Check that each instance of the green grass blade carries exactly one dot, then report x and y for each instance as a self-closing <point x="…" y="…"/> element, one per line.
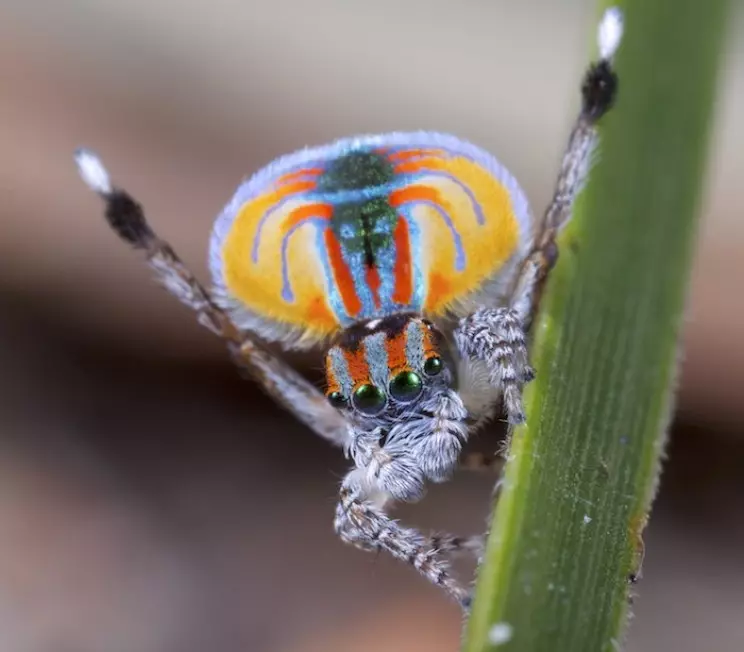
<point x="581" y="474"/>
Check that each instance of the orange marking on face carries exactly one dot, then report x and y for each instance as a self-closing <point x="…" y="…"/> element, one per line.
<point x="402" y="271"/>
<point x="293" y="176"/>
<point x="358" y="367"/>
<point x="430" y="347"/>
<point x="396" y="350"/>
<point x="342" y="275"/>
<point x="332" y="385"/>
<point x="372" y="276"/>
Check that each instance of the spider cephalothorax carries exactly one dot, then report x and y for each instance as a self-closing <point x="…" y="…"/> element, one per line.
<point x="367" y="243"/>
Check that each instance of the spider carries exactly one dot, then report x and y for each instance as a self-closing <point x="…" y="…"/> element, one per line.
<point x="414" y="259"/>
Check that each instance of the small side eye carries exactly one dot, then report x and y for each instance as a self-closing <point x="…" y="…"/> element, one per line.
<point x="433" y="366"/>
<point x="406" y="386"/>
<point x="337" y="399"/>
<point x="369" y="399"/>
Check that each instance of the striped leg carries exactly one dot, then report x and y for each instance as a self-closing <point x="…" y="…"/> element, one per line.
<point x="453" y="545"/>
<point x="598" y="93"/>
<point x="288" y="388"/>
<point x="497" y="336"/>
<point x="364" y="525"/>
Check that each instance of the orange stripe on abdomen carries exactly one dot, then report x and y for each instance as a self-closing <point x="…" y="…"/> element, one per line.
<point x="372" y="277"/>
<point x="411" y="153"/>
<point x="416" y="193"/>
<point x="420" y="164"/>
<point x="301" y="213"/>
<point x="402" y="271"/>
<point x="293" y="188"/>
<point x="342" y="275"/>
<point x="298" y="175"/>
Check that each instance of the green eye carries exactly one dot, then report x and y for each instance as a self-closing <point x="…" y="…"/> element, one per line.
<point x="369" y="399"/>
<point x="337" y="399"/>
<point x="406" y="386"/>
<point x="433" y="366"/>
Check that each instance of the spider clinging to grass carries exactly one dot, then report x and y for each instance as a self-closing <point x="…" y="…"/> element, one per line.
<point x="415" y="260"/>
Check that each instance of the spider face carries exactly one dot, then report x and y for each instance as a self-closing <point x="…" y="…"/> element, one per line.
<point x="384" y="368"/>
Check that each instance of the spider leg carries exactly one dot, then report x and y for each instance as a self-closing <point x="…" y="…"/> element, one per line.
<point x="454" y="545"/>
<point x="288" y="388"/>
<point x="363" y="524"/>
<point x="495" y="337"/>
<point x="598" y="93"/>
<point x="438" y="436"/>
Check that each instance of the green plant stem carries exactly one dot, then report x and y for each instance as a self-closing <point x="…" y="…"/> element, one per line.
<point x="566" y="534"/>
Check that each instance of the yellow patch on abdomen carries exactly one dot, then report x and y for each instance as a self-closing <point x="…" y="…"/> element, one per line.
<point x="298" y="295"/>
<point x="484" y="247"/>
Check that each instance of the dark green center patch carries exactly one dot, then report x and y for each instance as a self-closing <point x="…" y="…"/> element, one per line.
<point x="355" y="171"/>
<point x="364" y="226"/>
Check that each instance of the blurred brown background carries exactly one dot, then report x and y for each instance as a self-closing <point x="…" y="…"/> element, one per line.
<point x="150" y="500"/>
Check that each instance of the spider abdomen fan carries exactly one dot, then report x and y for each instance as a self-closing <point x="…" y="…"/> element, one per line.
<point x="363" y="228"/>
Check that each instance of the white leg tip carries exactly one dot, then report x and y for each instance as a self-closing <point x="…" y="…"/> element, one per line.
<point x="610" y="32"/>
<point x="92" y="171"/>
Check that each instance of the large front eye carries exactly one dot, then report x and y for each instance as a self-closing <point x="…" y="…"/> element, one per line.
<point x="369" y="399"/>
<point x="406" y="386"/>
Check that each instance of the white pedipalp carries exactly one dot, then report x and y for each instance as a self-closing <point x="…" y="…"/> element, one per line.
<point x="478" y="394"/>
<point x="93" y="172"/>
<point x="610" y="32"/>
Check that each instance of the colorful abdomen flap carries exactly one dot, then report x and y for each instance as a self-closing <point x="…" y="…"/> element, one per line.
<point x="362" y="228"/>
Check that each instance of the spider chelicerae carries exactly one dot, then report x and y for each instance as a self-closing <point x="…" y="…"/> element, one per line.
<point x="414" y="259"/>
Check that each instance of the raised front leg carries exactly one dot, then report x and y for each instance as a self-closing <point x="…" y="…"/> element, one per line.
<point x="496" y="336"/>
<point x="598" y="93"/>
<point x="288" y="388"/>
